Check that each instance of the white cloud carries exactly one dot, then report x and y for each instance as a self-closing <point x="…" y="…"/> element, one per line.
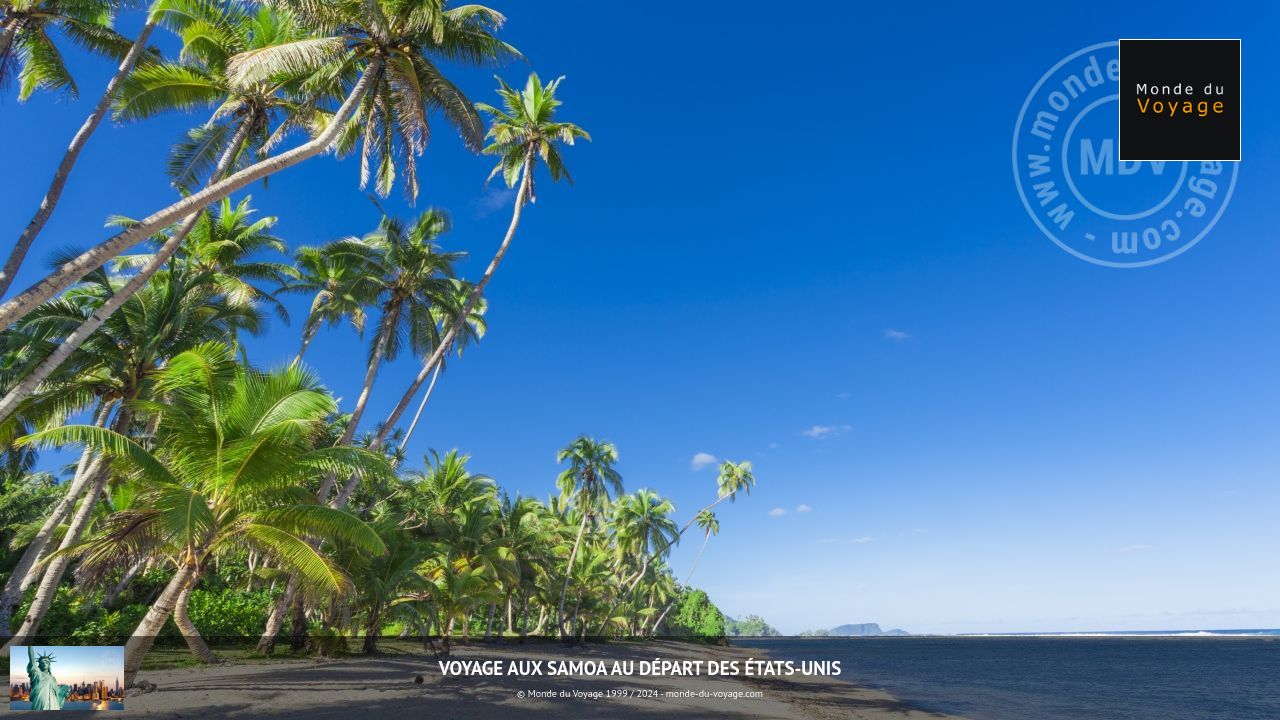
<point x="701" y="460"/>
<point x="777" y="512"/>
<point x="862" y="540"/>
<point x="803" y="508"/>
<point x="896" y="335"/>
<point x="493" y="199"/>
<point x="819" y="432"/>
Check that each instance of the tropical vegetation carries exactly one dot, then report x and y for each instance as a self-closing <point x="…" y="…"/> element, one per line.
<point x="210" y="495"/>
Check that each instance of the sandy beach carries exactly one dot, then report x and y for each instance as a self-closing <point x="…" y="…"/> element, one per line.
<point x="386" y="687"/>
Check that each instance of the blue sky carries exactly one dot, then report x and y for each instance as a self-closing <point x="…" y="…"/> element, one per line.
<point x="796" y="240"/>
<point x="72" y="665"/>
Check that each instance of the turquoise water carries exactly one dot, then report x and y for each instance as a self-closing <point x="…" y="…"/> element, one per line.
<point x="1061" y="677"/>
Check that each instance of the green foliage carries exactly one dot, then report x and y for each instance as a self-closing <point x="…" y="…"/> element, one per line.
<point x="23" y="502"/>
<point x="230" y="613"/>
<point x="697" y="616"/>
<point x="80" y="619"/>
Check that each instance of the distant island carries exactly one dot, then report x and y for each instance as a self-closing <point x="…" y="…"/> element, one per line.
<point x="856" y="630"/>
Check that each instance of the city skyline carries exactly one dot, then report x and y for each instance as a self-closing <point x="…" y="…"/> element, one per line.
<point x="73" y="665"/>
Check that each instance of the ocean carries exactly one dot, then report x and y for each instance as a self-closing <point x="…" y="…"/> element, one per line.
<point x="1201" y="676"/>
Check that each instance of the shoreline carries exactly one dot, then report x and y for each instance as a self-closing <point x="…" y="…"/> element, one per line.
<point x="407" y="685"/>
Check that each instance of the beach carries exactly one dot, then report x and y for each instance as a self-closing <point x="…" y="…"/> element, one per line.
<point x="386" y="687"/>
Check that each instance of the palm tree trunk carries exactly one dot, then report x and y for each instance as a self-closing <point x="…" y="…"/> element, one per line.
<point x="435" y="374"/>
<point x="253" y="565"/>
<point x="371" y="633"/>
<point x="389" y="320"/>
<point x="568" y="573"/>
<point x="190" y="633"/>
<point x="8" y="32"/>
<point x="25" y="572"/>
<point x="308" y="335"/>
<point x="119" y="588"/>
<point x="95" y="257"/>
<point x="81" y="138"/>
<point x="437" y="356"/>
<point x="488" y="628"/>
<point x="144" y="636"/>
<point x="298" y="637"/>
<point x="657" y="623"/>
<point x="697" y="559"/>
<point x="275" y="619"/>
<point x="72" y="342"/>
<point x="511" y="628"/>
<point x="644" y="567"/>
<point x="524" y="616"/>
<point x="53" y="573"/>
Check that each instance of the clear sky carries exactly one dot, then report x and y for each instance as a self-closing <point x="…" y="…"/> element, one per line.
<point x="796" y="240"/>
<point x="72" y="665"/>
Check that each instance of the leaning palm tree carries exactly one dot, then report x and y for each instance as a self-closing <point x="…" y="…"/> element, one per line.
<point x="175" y="312"/>
<point x="732" y="479"/>
<point x="87" y="23"/>
<point x="522" y="133"/>
<point x="413" y="279"/>
<point x="382" y="50"/>
<point x="473" y="330"/>
<point x="233" y="447"/>
<point x="211" y="33"/>
<point x="710" y="526"/>
<point x="588" y="482"/>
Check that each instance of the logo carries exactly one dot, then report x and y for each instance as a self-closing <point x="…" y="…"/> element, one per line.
<point x="1180" y="100"/>
<point x="1071" y="180"/>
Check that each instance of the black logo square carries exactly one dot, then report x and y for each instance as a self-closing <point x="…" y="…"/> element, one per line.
<point x="1180" y="100"/>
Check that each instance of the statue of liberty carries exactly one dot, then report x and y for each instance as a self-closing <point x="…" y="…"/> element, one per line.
<point x="46" y="693"/>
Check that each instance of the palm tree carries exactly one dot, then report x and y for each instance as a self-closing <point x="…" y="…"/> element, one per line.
<point x="340" y="276"/>
<point x="641" y="524"/>
<point x="446" y="487"/>
<point x="385" y="581"/>
<point x="225" y="244"/>
<point x="233" y="446"/>
<point x="380" y="42"/>
<point x="473" y="330"/>
<point x="524" y="530"/>
<point x="175" y="312"/>
<point x="710" y="526"/>
<point x="413" y="280"/>
<point x="732" y="479"/>
<point x="27" y="45"/>
<point x="215" y="35"/>
<point x="520" y="135"/>
<point x="588" y="482"/>
<point x="43" y="67"/>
